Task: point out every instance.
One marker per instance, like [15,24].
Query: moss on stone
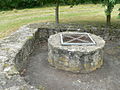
[87,66]
[6,49]
[50,61]
[74,69]
[63,59]
[6,65]
[97,66]
[30,37]
[93,68]
[66,63]
[41,87]
[60,67]
[100,63]
[11,70]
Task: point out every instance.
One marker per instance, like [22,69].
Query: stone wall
[76,59]
[16,48]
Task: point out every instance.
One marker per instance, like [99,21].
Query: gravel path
[39,72]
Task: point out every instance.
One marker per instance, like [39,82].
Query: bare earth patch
[39,72]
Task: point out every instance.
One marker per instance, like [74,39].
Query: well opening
[77,39]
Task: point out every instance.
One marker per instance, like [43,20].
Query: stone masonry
[75,58]
[16,48]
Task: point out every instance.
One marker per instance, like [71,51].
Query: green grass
[87,14]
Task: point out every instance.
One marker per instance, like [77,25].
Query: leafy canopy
[109,4]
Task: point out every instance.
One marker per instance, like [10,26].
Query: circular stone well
[77,58]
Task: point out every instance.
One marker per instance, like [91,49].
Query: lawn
[89,14]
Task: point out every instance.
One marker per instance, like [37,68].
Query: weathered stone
[1,88]
[3,79]
[24,87]
[11,70]
[77,59]
[16,48]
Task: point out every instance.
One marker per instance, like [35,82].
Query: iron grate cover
[77,39]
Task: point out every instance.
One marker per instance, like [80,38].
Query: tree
[119,13]
[71,2]
[109,4]
[57,11]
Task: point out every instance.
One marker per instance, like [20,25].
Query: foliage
[119,13]
[16,4]
[109,4]
[11,4]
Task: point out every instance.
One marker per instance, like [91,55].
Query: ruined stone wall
[16,48]
[14,51]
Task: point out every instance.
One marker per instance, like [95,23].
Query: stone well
[77,58]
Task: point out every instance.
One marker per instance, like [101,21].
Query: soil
[40,73]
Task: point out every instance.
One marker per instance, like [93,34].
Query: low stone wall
[14,51]
[16,48]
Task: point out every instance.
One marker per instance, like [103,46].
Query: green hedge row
[17,4]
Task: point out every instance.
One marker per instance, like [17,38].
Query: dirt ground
[40,73]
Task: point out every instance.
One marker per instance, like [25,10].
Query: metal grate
[77,39]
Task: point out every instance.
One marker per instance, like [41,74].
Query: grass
[88,14]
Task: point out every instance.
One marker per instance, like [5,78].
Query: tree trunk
[57,12]
[108,20]
[108,16]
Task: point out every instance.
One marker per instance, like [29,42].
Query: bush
[16,4]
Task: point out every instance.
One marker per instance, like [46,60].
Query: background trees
[18,4]
[119,13]
[11,4]
[58,2]
[109,4]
